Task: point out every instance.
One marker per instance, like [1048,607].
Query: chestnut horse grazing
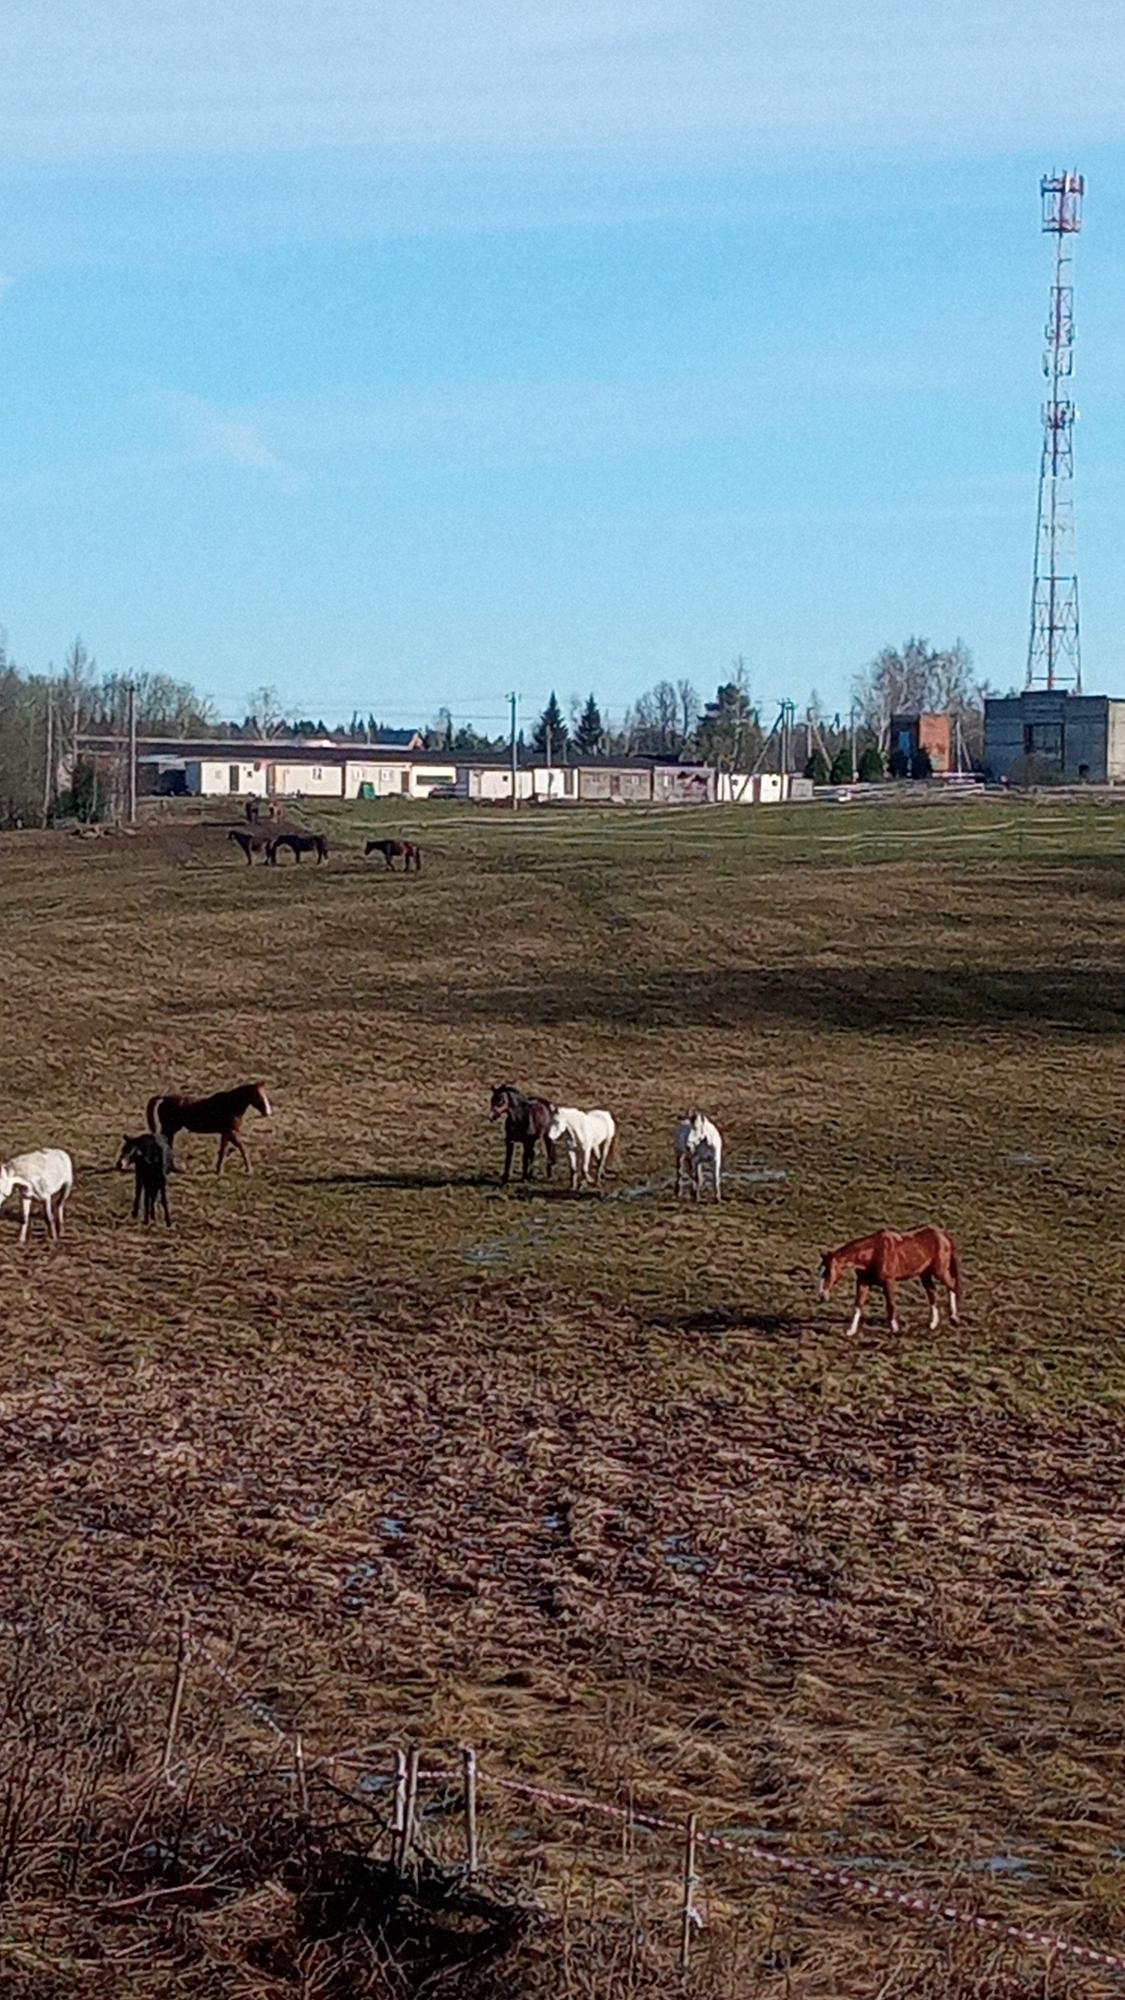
[391,849]
[222,1113]
[525,1121]
[298,844]
[888,1257]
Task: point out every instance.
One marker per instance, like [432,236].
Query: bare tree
[689,709]
[265,710]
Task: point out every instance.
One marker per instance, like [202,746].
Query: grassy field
[594,1485]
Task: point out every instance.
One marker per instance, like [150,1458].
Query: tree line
[44,713]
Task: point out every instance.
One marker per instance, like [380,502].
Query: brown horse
[250,843]
[222,1113]
[391,849]
[886,1258]
[525,1121]
[299,843]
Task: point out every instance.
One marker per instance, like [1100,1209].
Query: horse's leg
[679,1182]
[164,1204]
[717,1171]
[551,1151]
[930,1289]
[509,1149]
[25,1209]
[888,1285]
[60,1212]
[389,859]
[861,1291]
[528,1156]
[241,1151]
[224,1142]
[137,1191]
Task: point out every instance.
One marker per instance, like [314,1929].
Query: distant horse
[250,843]
[256,809]
[391,849]
[222,1113]
[699,1150]
[299,843]
[589,1138]
[150,1157]
[525,1122]
[46,1176]
[886,1258]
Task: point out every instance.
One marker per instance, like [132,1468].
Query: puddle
[354,1599]
[1004,1864]
[391,1525]
[554,1518]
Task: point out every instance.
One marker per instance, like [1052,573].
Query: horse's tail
[151,1113]
[611,1148]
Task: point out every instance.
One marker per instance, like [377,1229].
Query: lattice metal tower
[1054,657]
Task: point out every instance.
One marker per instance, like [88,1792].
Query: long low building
[327,770]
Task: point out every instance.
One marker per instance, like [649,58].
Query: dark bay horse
[391,849]
[886,1258]
[525,1121]
[299,843]
[250,843]
[222,1113]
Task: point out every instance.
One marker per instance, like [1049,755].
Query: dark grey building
[1069,736]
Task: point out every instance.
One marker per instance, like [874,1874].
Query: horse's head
[260,1101]
[128,1154]
[827,1275]
[500,1103]
[557,1126]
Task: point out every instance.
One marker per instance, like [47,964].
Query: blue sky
[400,354]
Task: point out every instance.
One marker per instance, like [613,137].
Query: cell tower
[1054,658]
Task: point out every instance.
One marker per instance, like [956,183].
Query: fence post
[302,1778]
[469,1762]
[688,1916]
[398,1811]
[410,1799]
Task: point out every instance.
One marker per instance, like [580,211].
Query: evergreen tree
[817,768]
[552,719]
[589,734]
[842,772]
[870,765]
[921,765]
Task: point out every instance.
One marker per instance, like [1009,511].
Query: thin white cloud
[207,430]
[267,75]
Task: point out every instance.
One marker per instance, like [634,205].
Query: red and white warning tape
[916,1904]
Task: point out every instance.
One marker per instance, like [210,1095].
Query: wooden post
[49,759]
[182,1651]
[409,1793]
[398,1813]
[469,1763]
[687,1921]
[132,753]
[302,1775]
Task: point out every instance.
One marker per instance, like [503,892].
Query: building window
[317,772]
[1045,740]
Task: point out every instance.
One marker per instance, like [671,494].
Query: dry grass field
[595,1485]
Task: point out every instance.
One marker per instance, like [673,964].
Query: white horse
[589,1136]
[699,1150]
[46,1176]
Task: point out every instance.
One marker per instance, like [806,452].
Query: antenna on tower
[1054,658]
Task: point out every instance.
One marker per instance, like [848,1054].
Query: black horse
[525,1121]
[298,844]
[391,849]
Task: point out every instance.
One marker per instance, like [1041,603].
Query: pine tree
[870,765]
[552,720]
[817,768]
[589,734]
[842,772]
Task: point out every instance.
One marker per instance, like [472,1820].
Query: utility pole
[48,768]
[132,753]
[513,700]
